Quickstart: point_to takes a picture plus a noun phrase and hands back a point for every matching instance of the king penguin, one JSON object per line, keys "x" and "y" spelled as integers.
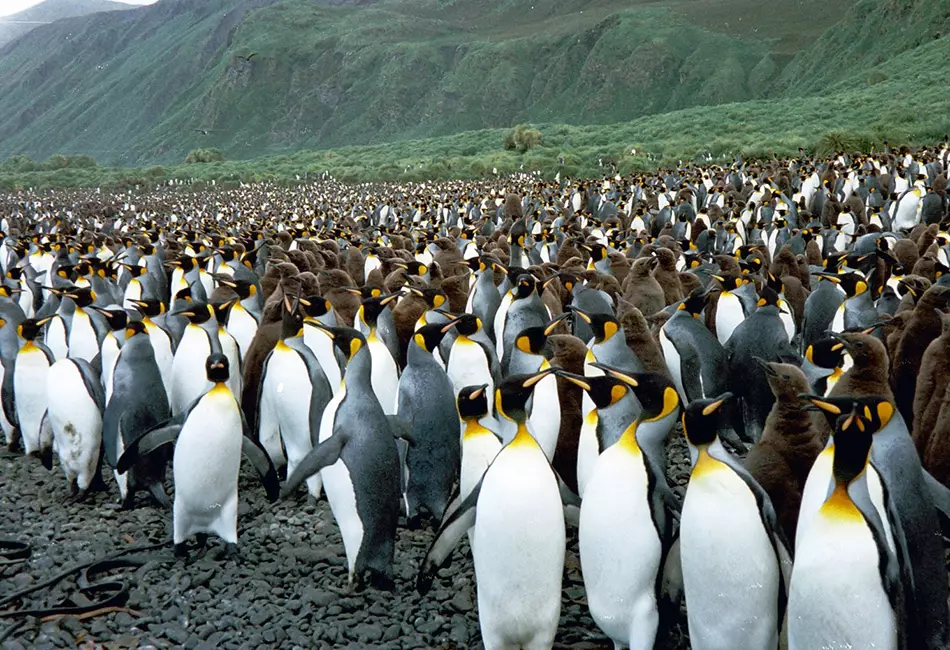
{"x": 206, "y": 494}
{"x": 733, "y": 553}
{"x": 846, "y": 588}
{"x": 360, "y": 467}
{"x": 163, "y": 341}
{"x": 30, "y": 373}
{"x": 480, "y": 444}
{"x": 293, "y": 395}
{"x": 199, "y": 341}
{"x": 520, "y": 538}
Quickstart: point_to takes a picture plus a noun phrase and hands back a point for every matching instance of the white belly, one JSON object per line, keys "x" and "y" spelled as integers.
{"x": 189, "y": 379}
{"x": 55, "y": 338}
{"x": 342, "y": 497}
{"x": 545, "y": 420}
{"x": 288, "y": 390}
{"x": 672, "y": 358}
{"x": 76, "y": 422}
{"x": 519, "y": 550}
{"x": 322, "y": 347}
{"x": 385, "y": 375}
{"x": 730, "y": 570}
{"x": 29, "y": 389}
{"x": 728, "y": 315}
{"x": 206, "y": 493}
{"x": 243, "y": 327}
{"x": 82, "y": 337}
{"x": 110, "y": 356}
{"x": 836, "y": 598}
{"x": 619, "y": 548}
{"x": 588, "y": 449}
{"x": 164, "y": 357}
{"x": 468, "y": 366}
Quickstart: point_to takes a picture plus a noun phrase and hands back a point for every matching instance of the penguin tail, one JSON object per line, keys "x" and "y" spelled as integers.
{"x": 158, "y": 493}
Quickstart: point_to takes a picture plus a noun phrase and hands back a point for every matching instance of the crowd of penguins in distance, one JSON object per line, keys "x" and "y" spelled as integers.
{"x": 511, "y": 356}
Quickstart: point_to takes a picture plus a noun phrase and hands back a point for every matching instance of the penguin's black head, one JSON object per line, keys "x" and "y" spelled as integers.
{"x": 222, "y": 309}
{"x": 196, "y": 312}
{"x": 116, "y": 318}
{"x": 416, "y": 268}
{"x": 768, "y": 298}
{"x": 465, "y": 324}
{"x": 703, "y": 418}
{"x": 242, "y": 288}
{"x": 82, "y": 296}
{"x": 373, "y": 307}
{"x": 217, "y": 368}
{"x": 695, "y": 303}
{"x": 853, "y": 284}
{"x": 428, "y": 337}
{"x": 851, "y": 450}
{"x": 135, "y": 270}
{"x": 151, "y": 307}
{"x": 849, "y": 414}
{"x": 184, "y": 295}
{"x": 135, "y": 327}
{"x": 473, "y": 402}
{"x": 604, "y": 391}
{"x": 187, "y": 263}
{"x": 826, "y": 353}
{"x": 604, "y": 326}
{"x": 29, "y": 329}
{"x": 656, "y": 394}
{"x": 728, "y": 281}
{"x": 348, "y": 340}
{"x": 524, "y": 286}
{"x": 598, "y": 252}
{"x": 513, "y": 393}
{"x": 316, "y": 306}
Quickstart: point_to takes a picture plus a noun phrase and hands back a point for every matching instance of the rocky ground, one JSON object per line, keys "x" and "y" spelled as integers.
{"x": 287, "y": 589}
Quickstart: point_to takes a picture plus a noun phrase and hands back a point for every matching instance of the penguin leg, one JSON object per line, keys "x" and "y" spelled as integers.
{"x": 181, "y": 551}
{"x": 15, "y": 443}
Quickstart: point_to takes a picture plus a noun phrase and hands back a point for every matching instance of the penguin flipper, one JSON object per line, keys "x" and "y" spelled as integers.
{"x": 323, "y": 455}
{"x": 452, "y": 529}
{"x": 7, "y": 395}
{"x": 938, "y": 492}
{"x": 261, "y": 461}
{"x": 146, "y": 444}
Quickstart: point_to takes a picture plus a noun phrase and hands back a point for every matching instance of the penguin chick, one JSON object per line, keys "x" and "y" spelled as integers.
{"x": 782, "y": 458}
{"x": 868, "y": 375}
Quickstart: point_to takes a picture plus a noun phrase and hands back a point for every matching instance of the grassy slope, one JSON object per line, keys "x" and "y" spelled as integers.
{"x": 18, "y": 24}
{"x": 901, "y": 107}
{"x": 135, "y": 87}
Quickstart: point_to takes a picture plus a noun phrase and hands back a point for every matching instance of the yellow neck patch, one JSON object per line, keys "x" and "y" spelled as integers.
{"x": 628, "y": 440}
{"x": 840, "y": 507}
{"x": 473, "y": 429}
{"x": 523, "y": 437}
{"x": 705, "y": 465}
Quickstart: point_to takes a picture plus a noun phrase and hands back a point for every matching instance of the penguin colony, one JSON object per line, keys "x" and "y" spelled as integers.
{"x": 509, "y": 360}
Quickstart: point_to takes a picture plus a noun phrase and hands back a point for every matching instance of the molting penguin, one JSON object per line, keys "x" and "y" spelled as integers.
{"x": 75, "y": 416}
{"x": 206, "y": 494}
{"x": 360, "y": 467}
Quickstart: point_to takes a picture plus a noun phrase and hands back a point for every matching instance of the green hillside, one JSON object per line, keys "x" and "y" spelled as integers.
{"x": 149, "y": 85}
{"x": 18, "y": 24}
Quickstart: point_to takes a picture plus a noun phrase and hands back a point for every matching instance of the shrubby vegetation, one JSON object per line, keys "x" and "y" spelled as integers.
{"x": 204, "y": 156}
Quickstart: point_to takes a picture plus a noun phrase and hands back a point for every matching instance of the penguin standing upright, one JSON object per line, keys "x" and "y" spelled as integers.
{"x": 163, "y": 342}
{"x": 137, "y": 405}
{"x": 293, "y": 394}
{"x": 526, "y": 310}
{"x": 75, "y": 416}
{"x": 483, "y": 298}
{"x": 472, "y": 360}
{"x": 480, "y": 444}
{"x": 117, "y": 319}
{"x": 626, "y": 514}
{"x": 206, "y": 494}
{"x": 734, "y": 556}
{"x": 30, "y": 372}
{"x": 519, "y": 535}
{"x": 199, "y": 341}
{"x": 318, "y": 309}
{"x": 730, "y": 310}
{"x": 425, "y": 407}
{"x": 846, "y": 588}
{"x": 360, "y": 467}
{"x": 85, "y": 329}
{"x": 385, "y": 372}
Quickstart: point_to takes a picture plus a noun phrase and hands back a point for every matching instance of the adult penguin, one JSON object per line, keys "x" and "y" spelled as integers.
{"x": 518, "y": 516}
{"x": 821, "y": 306}
{"x": 385, "y": 372}
{"x": 609, "y": 343}
{"x": 360, "y": 467}
{"x": 242, "y": 323}
{"x": 75, "y": 417}
{"x": 846, "y": 588}
{"x": 163, "y": 340}
{"x": 480, "y": 444}
{"x": 229, "y": 347}
{"x": 472, "y": 360}
{"x": 199, "y": 341}
{"x": 526, "y": 310}
{"x": 730, "y": 308}
{"x": 694, "y": 356}
{"x": 903, "y": 496}
{"x": 85, "y": 330}
{"x": 761, "y": 335}
{"x": 117, "y": 320}
{"x": 626, "y": 513}
{"x": 31, "y": 398}
{"x": 483, "y": 298}
{"x": 206, "y": 494}
{"x": 734, "y": 556}
{"x": 372, "y": 319}
{"x": 293, "y": 395}
{"x": 138, "y": 404}
{"x": 319, "y": 310}
{"x": 426, "y": 407}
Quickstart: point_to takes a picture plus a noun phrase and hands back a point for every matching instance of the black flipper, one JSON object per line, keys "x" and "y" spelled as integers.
{"x": 323, "y": 455}
{"x": 258, "y": 457}
{"x": 146, "y": 444}
{"x": 450, "y": 532}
